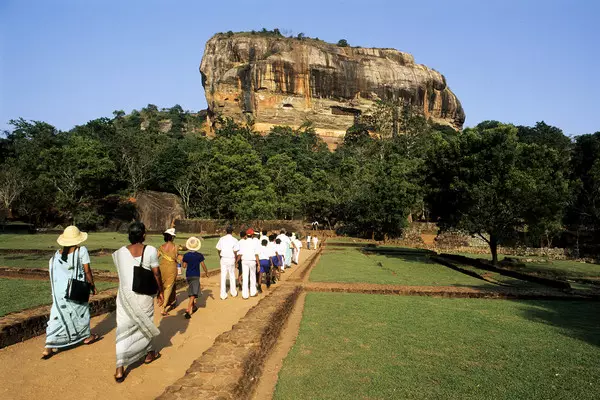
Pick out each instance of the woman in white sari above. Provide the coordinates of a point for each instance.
(135, 312)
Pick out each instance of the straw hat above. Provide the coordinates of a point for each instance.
(171, 231)
(193, 243)
(71, 236)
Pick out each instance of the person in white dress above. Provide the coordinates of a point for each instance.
(228, 248)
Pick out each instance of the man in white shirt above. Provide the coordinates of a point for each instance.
(308, 242)
(249, 255)
(296, 253)
(228, 247)
(284, 245)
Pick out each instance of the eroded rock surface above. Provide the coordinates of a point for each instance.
(283, 81)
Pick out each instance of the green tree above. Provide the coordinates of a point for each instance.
(342, 43)
(488, 183)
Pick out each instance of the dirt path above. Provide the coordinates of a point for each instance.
(88, 370)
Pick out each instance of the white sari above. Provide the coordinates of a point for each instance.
(135, 312)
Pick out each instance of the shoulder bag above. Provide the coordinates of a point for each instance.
(143, 279)
(78, 290)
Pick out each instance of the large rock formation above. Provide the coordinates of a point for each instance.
(283, 81)
(159, 210)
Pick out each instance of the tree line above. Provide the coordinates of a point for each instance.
(507, 184)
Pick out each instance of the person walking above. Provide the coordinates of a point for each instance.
(228, 248)
(265, 264)
(308, 242)
(135, 311)
(191, 262)
(315, 242)
(167, 254)
(296, 251)
(248, 256)
(289, 249)
(69, 321)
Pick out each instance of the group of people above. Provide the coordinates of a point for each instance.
(259, 258)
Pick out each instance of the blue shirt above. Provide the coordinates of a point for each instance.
(193, 260)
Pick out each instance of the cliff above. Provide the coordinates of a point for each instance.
(284, 81)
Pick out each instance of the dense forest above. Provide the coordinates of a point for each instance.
(503, 182)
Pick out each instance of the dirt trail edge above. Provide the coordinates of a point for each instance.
(231, 368)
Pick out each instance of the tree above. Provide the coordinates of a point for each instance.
(12, 184)
(488, 183)
(342, 43)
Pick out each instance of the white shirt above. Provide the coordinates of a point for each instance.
(247, 249)
(272, 249)
(150, 257)
(227, 245)
(283, 238)
(281, 248)
(308, 238)
(256, 243)
(298, 243)
(315, 240)
(264, 253)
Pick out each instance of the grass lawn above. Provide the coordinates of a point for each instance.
(553, 268)
(104, 262)
(360, 346)
(351, 265)
(19, 294)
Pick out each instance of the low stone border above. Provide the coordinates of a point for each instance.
(231, 367)
(23, 325)
(444, 291)
(99, 275)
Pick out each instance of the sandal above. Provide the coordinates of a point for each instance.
(187, 315)
(119, 379)
(155, 356)
(93, 339)
(164, 314)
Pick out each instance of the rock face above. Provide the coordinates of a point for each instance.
(282, 81)
(158, 210)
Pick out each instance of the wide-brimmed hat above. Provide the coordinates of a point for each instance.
(71, 236)
(171, 231)
(193, 243)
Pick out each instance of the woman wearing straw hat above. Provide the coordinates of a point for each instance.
(168, 269)
(69, 322)
(135, 310)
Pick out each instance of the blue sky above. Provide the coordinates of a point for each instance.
(67, 62)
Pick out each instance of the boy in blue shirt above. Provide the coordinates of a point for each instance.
(191, 262)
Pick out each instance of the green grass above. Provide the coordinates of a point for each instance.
(19, 294)
(552, 268)
(359, 346)
(104, 262)
(96, 240)
(352, 266)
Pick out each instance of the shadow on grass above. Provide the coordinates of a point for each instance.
(577, 319)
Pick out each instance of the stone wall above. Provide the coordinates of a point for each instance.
(158, 210)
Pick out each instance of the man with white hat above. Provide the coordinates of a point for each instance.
(228, 248)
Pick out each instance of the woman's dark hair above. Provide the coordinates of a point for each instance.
(168, 237)
(272, 237)
(137, 231)
(278, 241)
(65, 253)
(242, 234)
(288, 234)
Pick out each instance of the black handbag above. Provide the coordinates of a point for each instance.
(78, 290)
(143, 279)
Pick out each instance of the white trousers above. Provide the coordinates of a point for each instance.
(228, 268)
(296, 257)
(248, 278)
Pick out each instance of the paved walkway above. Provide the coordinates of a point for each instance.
(85, 372)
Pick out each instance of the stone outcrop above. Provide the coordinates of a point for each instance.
(158, 210)
(284, 81)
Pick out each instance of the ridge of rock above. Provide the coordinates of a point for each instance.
(285, 81)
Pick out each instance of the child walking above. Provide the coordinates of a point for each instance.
(191, 262)
(264, 259)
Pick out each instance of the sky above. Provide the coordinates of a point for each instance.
(66, 62)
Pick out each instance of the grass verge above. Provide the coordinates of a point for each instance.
(383, 347)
